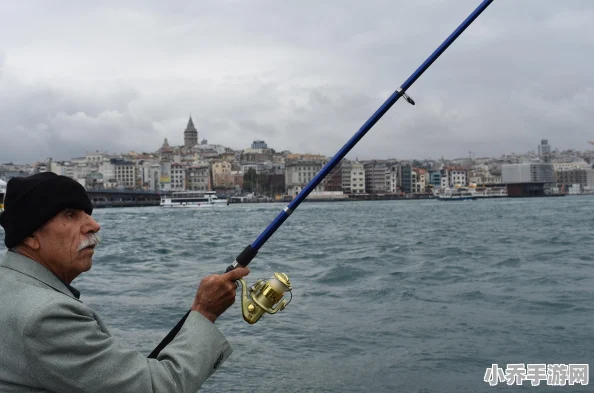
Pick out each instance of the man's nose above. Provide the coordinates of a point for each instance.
(92, 225)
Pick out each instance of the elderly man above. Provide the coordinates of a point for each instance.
(50, 341)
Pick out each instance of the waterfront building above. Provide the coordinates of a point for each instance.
(333, 180)
(434, 177)
(107, 170)
(347, 168)
(198, 178)
(164, 176)
(125, 173)
(237, 177)
(528, 179)
(393, 182)
(148, 175)
(299, 173)
(420, 180)
(221, 174)
(406, 178)
(570, 177)
(564, 166)
(178, 177)
(532, 172)
(375, 176)
(353, 177)
(454, 176)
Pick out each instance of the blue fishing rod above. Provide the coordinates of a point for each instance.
(265, 294)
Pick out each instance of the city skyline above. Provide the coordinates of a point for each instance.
(196, 141)
(472, 155)
(124, 76)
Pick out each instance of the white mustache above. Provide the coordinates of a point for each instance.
(91, 240)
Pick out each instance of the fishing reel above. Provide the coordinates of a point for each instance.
(264, 296)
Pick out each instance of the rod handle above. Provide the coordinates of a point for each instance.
(244, 258)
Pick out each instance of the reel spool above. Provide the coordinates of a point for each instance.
(263, 296)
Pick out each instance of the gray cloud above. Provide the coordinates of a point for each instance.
(304, 76)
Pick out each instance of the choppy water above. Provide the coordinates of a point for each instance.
(390, 296)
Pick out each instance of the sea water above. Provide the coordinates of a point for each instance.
(388, 296)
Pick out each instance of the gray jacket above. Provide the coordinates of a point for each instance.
(51, 342)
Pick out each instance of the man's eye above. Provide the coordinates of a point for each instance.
(69, 213)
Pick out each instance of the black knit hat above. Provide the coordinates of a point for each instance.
(32, 201)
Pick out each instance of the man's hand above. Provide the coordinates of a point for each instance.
(216, 293)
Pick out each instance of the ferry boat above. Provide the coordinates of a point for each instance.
(193, 199)
(2, 193)
(485, 192)
(455, 195)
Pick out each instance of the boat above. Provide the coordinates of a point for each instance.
(485, 192)
(455, 195)
(193, 199)
(2, 193)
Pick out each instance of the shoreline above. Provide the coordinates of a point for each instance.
(358, 198)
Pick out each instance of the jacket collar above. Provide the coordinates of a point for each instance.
(25, 265)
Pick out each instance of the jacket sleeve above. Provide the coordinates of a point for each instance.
(67, 351)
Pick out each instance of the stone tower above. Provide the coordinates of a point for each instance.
(190, 134)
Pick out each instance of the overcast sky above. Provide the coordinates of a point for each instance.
(301, 75)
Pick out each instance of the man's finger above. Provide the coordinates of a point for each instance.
(237, 273)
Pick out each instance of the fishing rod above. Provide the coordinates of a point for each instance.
(265, 294)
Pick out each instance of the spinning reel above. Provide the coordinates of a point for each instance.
(263, 296)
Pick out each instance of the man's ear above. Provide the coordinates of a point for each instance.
(32, 242)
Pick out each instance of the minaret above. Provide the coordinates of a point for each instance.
(190, 134)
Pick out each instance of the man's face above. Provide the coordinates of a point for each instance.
(60, 242)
